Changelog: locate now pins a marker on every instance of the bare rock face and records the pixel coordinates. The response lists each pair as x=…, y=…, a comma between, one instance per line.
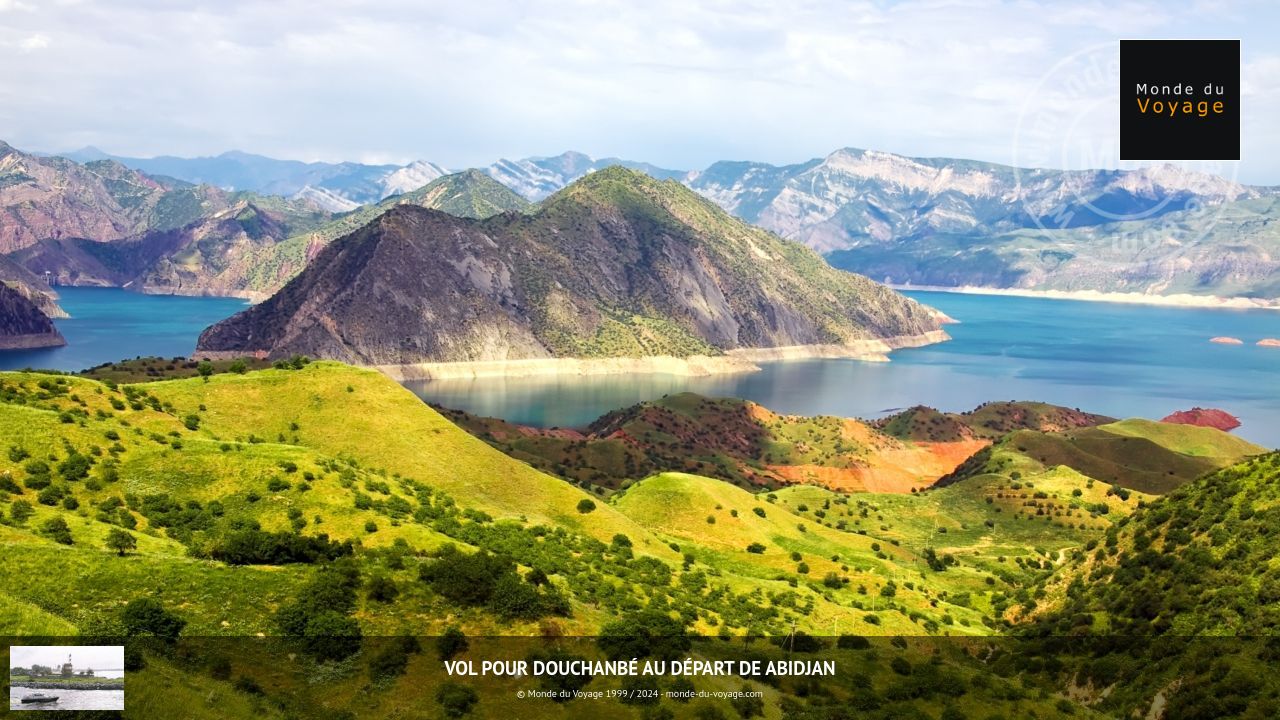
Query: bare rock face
x=22, y=325
x=1204, y=417
x=615, y=265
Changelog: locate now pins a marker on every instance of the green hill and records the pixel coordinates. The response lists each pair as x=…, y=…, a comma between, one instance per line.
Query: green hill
x=988, y=421
x=247, y=499
x=1142, y=455
x=1178, y=605
x=734, y=440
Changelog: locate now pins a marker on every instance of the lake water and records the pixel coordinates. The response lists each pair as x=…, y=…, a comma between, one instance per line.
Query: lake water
x=69, y=699
x=109, y=324
x=1122, y=360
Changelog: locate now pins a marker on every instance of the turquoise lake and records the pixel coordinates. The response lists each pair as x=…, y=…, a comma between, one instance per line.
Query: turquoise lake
x=1114, y=359
x=1122, y=360
x=109, y=324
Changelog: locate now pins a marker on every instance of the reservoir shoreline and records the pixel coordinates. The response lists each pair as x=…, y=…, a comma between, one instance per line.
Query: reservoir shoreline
x=1177, y=300
x=741, y=360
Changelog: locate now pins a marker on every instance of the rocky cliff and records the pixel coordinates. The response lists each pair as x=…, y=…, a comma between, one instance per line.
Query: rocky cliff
x=22, y=324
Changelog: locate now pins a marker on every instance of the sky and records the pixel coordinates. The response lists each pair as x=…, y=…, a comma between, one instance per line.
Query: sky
x=103, y=657
x=679, y=83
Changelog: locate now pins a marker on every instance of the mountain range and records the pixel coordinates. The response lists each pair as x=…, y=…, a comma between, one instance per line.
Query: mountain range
x=244, y=244
x=344, y=186
x=903, y=221
x=615, y=265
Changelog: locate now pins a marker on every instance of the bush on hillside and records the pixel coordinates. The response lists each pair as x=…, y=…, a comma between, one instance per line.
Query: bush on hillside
x=145, y=617
x=257, y=547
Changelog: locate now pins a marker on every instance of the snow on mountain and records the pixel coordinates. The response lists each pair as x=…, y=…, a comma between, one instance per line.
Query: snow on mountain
x=410, y=177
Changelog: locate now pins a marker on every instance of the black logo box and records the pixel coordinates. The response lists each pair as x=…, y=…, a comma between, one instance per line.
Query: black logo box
x=1186, y=69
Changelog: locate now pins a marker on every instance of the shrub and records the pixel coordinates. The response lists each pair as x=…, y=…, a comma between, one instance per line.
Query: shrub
x=382, y=589
x=586, y=505
x=330, y=635
x=756, y=548
x=392, y=658
x=56, y=529
x=647, y=633
x=147, y=617
x=456, y=700
x=747, y=704
x=20, y=511
x=451, y=642
x=252, y=546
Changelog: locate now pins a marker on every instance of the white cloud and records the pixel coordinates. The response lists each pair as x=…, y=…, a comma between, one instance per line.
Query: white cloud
x=676, y=82
x=38, y=41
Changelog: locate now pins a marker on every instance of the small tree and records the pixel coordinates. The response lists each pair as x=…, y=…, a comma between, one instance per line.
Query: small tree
x=238, y=366
x=121, y=541
x=21, y=511
x=586, y=505
x=451, y=642
x=456, y=700
x=57, y=530
x=205, y=369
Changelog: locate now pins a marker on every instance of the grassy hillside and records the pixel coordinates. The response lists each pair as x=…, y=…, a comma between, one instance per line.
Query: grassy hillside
x=1181, y=601
x=250, y=499
x=733, y=440
x=988, y=421
x=1142, y=455
x=189, y=466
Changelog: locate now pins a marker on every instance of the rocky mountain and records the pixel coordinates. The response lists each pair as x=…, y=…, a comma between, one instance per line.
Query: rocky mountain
x=615, y=265
x=950, y=223
x=1204, y=417
x=22, y=324
x=341, y=187
x=855, y=197
x=904, y=221
x=1229, y=251
x=538, y=177
x=344, y=184
x=33, y=287
x=52, y=197
x=249, y=249
x=230, y=252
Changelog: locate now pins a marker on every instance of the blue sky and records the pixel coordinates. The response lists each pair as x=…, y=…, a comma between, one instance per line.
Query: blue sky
x=679, y=83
